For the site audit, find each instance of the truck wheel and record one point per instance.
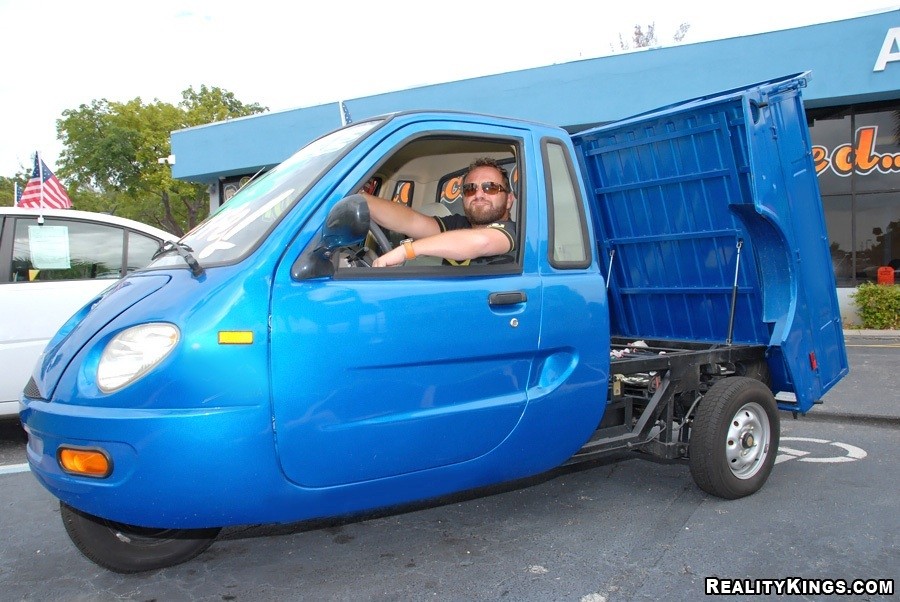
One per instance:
(734, 438)
(127, 549)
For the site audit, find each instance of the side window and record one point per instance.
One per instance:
(373, 186)
(569, 247)
(426, 174)
(63, 249)
(403, 192)
(140, 249)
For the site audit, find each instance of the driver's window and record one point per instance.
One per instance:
(426, 175)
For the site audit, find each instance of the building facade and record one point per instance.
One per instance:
(852, 105)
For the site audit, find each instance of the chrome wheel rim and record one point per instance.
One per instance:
(747, 440)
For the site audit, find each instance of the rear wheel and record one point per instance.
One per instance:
(734, 438)
(128, 549)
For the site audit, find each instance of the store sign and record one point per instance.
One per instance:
(860, 156)
(888, 54)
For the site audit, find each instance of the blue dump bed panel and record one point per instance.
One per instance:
(686, 198)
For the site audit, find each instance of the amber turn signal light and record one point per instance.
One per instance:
(235, 337)
(84, 462)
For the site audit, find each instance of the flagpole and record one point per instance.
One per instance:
(15, 192)
(37, 156)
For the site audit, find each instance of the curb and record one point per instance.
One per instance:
(872, 334)
(823, 415)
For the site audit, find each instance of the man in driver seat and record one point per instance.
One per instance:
(485, 234)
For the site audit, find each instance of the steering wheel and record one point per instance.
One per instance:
(362, 256)
(381, 240)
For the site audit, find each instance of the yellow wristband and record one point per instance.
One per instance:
(410, 252)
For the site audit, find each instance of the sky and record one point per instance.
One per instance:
(60, 54)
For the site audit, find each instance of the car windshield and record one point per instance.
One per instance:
(241, 223)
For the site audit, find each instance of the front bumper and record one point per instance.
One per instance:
(170, 468)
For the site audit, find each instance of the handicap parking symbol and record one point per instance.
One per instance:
(820, 451)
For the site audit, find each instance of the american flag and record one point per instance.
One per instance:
(43, 189)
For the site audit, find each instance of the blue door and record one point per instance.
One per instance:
(381, 377)
(394, 371)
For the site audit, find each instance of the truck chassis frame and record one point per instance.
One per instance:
(654, 388)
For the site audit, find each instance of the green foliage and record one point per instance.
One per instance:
(6, 192)
(878, 305)
(7, 187)
(110, 156)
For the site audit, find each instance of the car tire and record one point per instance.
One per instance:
(127, 549)
(734, 438)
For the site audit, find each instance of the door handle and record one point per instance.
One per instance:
(507, 298)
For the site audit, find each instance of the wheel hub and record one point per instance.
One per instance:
(747, 441)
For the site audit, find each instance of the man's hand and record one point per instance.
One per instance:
(391, 258)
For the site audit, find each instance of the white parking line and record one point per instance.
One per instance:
(14, 468)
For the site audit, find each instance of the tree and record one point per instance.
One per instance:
(681, 32)
(644, 40)
(647, 38)
(6, 191)
(110, 155)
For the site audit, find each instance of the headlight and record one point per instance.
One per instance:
(134, 352)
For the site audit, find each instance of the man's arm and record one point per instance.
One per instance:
(458, 245)
(400, 218)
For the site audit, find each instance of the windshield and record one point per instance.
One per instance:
(242, 222)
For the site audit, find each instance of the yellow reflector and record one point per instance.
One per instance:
(235, 337)
(88, 462)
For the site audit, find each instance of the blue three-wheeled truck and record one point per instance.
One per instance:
(671, 289)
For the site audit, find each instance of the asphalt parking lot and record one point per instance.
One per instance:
(627, 529)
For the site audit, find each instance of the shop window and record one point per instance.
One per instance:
(877, 234)
(857, 156)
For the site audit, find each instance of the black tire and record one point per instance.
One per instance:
(734, 438)
(127, 549)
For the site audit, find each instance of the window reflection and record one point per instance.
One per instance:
(857, 155)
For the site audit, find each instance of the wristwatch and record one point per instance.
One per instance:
(410, 252)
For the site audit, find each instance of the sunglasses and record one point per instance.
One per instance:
(488, 188)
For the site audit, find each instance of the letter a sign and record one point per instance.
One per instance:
(890, 50)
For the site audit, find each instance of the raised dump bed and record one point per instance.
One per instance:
(700, 209)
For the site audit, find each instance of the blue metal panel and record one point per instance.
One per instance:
(663, 190)
(678, 191)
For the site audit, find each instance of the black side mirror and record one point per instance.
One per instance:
(347, 224)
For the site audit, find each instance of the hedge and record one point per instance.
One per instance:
(878, 305)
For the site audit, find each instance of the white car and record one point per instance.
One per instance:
(52, 262)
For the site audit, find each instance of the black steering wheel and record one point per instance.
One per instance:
(381, 240)
(362, 256)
